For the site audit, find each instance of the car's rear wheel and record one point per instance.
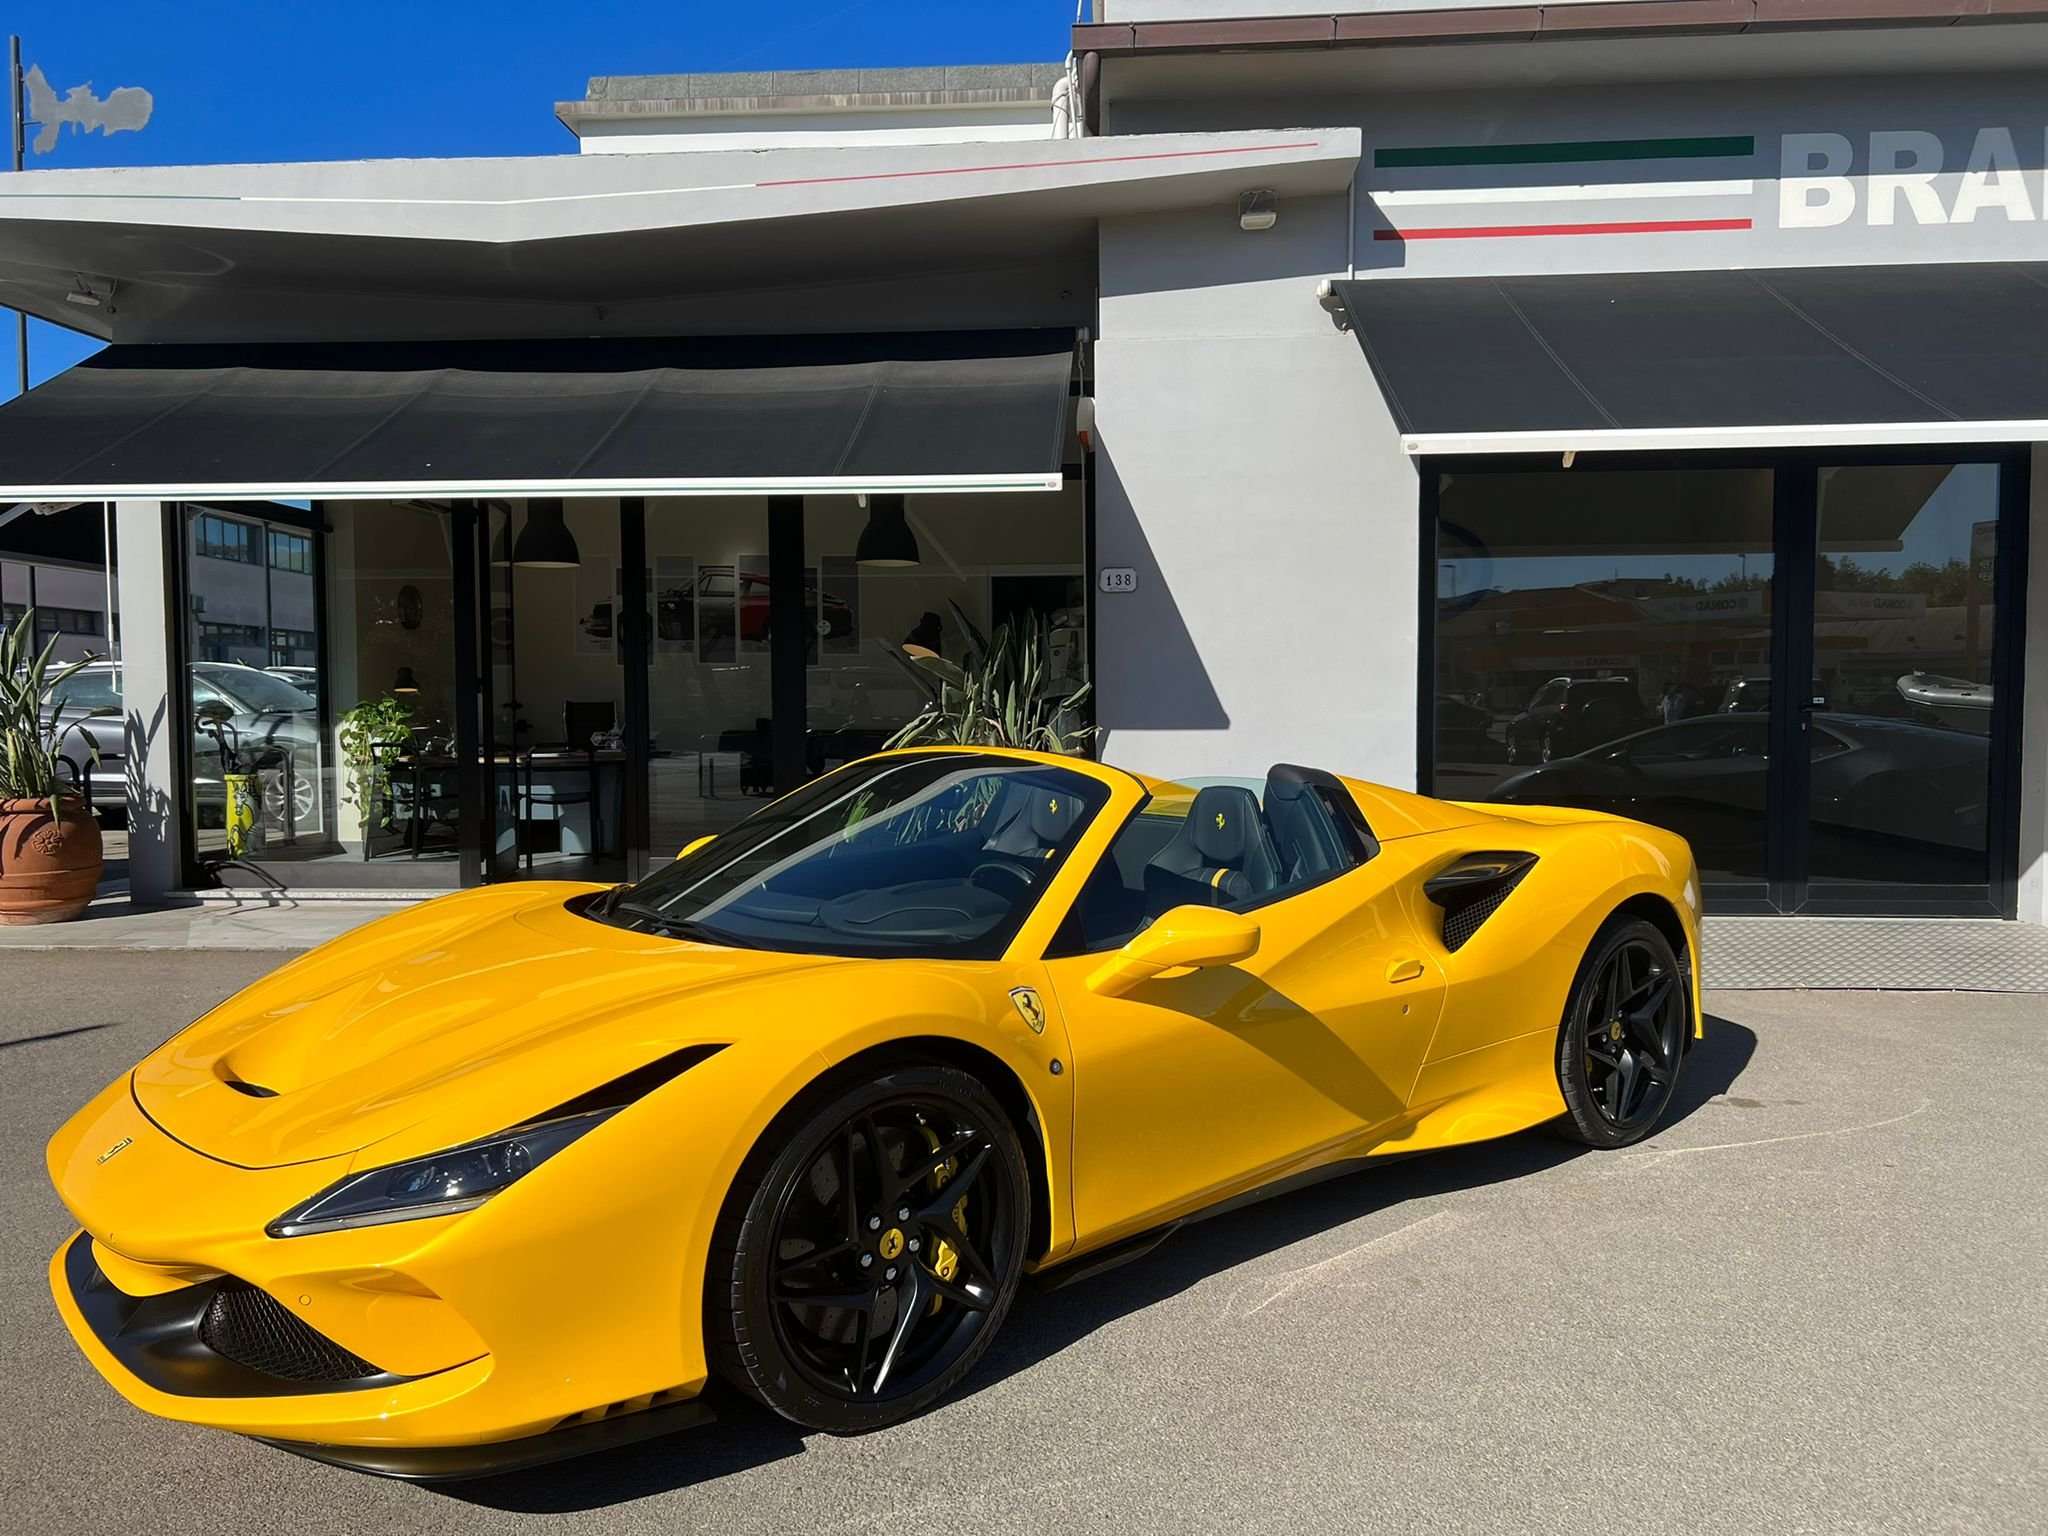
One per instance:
(1623, 1036)
(865, 1265)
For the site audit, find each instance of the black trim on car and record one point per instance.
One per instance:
(455, 1463)
(1470, 889)
(162, 1340)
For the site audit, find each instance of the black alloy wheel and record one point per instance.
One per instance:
(1624, 1033)
(878, 1254)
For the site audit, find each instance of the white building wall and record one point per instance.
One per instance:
(1249, 473)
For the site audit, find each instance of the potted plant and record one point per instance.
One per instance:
(50, 854)
(373, 723)
(1003, 694)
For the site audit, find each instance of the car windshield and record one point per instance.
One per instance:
(938, 855)
(256, 692)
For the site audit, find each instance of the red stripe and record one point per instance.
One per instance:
(1498, 231)
(1044, 165)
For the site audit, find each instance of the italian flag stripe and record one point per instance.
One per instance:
(1520, 231)
(1566, 152)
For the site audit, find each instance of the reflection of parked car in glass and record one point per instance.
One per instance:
(305, 679)
(1753, 694)
(276, 723)
(1569, 714)
(1878, 787)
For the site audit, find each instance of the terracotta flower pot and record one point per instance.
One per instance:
(49, 868)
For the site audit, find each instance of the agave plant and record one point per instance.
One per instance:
(1001, 695)
(29, 766)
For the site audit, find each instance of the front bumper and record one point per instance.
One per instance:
(167, 1354)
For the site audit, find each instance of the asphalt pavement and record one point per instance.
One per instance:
(1816, 1301)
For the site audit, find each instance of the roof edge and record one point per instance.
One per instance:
(1532, 23)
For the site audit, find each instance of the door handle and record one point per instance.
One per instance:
(1404, 970)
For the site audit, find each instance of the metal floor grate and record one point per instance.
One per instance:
(1910, 954)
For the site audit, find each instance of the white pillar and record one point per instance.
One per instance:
(2033, 786)
(150, 702)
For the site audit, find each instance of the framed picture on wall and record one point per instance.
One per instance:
(595, 612)
(675, 604)
(837, 618)
(716, 628)
(750, 592)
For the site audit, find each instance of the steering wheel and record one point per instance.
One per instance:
(1024, 874)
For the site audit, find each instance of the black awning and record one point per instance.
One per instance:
(1940, 353)
(981, 410)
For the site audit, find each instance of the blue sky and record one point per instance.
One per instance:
(286, 80)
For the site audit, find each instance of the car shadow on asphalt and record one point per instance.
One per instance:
(1043, 1324)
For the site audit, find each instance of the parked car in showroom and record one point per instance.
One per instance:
(275, 723)
(1880, 790)
(1569, 714)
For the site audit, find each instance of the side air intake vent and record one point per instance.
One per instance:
(1472, 889)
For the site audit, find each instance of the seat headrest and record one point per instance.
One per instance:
(1053, 815)
(1224, 823)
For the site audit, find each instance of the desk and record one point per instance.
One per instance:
(579, 795)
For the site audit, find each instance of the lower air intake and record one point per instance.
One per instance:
(251, 1328)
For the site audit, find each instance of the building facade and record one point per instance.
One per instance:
(1631, 405)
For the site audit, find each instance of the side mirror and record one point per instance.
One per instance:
(1183, 937)
(694, 844)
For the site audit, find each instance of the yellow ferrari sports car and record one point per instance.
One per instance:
(534, 1168)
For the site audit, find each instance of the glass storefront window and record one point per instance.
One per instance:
(1794, 666)
(556, 746)
(282, 791)
(1900, 749)
(1603, 640)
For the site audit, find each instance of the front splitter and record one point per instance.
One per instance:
(455, 1463)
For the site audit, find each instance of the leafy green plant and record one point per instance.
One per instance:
(29, 729)
(371, 724)
(1002, 694)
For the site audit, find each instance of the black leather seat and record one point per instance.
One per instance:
(1221, 854)
(1032, 822)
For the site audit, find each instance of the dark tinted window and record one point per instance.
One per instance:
(941, 855)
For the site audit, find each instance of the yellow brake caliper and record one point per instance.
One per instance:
(945, 1261)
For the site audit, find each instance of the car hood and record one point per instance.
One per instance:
(452, 1020)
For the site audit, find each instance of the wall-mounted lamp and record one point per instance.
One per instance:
(405, 682)
(887, 539)
(1258, 210)
(1332, 303)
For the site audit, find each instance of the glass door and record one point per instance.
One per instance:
(1902, 790)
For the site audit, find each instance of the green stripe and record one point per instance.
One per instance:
(1568, 151)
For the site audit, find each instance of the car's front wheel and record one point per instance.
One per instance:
(867, 1257)
(1623, 1036)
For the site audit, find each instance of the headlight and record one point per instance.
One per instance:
(443, 1184)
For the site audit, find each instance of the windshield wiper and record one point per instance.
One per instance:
(678, 927)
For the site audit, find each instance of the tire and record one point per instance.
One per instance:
(1623, 1037)
(907, 1306)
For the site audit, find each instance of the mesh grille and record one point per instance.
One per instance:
(251, 1328)
(1463, 923)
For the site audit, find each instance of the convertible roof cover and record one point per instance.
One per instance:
(981, 410)
(1943, 353)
